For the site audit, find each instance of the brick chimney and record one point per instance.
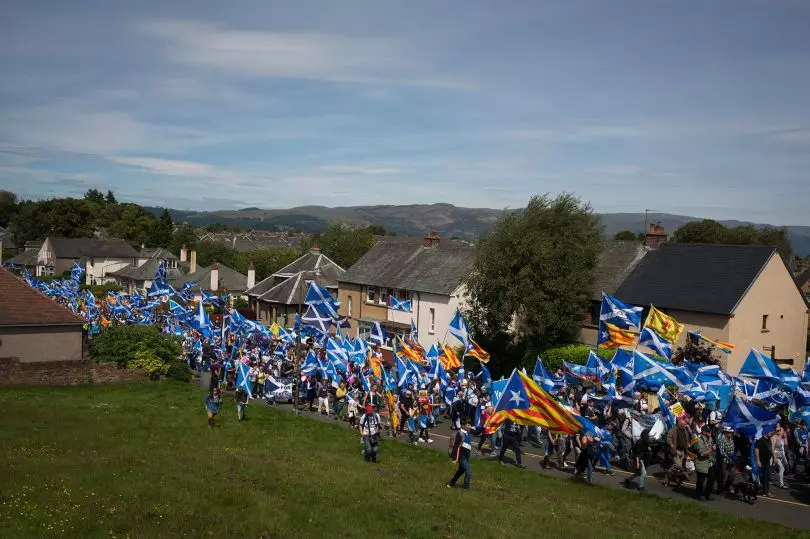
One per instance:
(251, 276)
(183, 253)
(214, 276)
(655, 236)
(193, 264)
(432, 239)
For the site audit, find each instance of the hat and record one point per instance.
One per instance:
(369, 408)
(728, 429)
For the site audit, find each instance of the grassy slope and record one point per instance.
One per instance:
(140, 461)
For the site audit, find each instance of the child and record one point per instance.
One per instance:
(424, 434)
(241, 399)
(212, 404)
(352, 406)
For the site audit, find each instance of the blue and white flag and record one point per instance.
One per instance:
(458, 329)
(243, 378)
(76, 272)
(770, 391)
(498, 387)
(597, 363)
(310, 364)
(652, 374)
(403, 373)
(653, 341)
(160, 273)
(317, 295)
(666, 412)
(400, 305)
(378, 334)
(544, 378)
(316, 319)
(414, 331)
(201, 321)
(619, 314)
(755, 421)
(758, 365)
(806, 371)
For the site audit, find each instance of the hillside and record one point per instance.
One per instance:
(416, 219)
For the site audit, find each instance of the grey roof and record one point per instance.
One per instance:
(25, 258)
(616, 260)
(310, 261)
(158, 253)
(229, 279)
(147, 270)
(412, 266)
(695, 277)
(249, 241)
(802, 278)
(90, 247)
(294, 289)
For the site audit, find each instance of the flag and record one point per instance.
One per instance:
(618, 314)
(666, 326)
(310, 364)
(448, 357)
(274, 330)
(758, 365)
(696, 337)
(160, 273)
(577, 375)
(486, 378)
(473, 349)
(378, 334)
(403, 373)
(651, 340)
(175, 307)
(771, 391)
(317, 295)
(400, 305)
(458, 329)
(76, 272)
(414, 331)
(243, 377)
(545, 378)
(652, 374)
(316, 319)
(666, 412)
(597, 364)
(611, 336)
(201, 321)
(755, 421)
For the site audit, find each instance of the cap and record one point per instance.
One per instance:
(728, 429)
(369, 409)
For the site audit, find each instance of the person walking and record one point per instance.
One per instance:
(460, 453)
(641, 451)
(704, 449)
(241, 398)
(724, 465)
(369, 428)
(511, 440)
(763, 455)
(779, 442)
(212, 404)
(323, 398)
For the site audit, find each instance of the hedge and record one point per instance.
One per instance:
(553, 358)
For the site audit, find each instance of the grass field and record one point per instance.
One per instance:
(140, 461)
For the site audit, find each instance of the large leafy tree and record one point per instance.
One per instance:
(345, 244)
(625, 235)
(534, 274)
(710, 231)
(8, 207)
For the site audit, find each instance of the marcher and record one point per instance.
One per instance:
(704, 449)
(511, 440)
(641, 451)
(460, 453)
(212, 404)
(369, 428)
(763, 453)
(780, 455)
(241, 398)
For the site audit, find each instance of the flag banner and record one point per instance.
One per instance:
(458, 329)
(400, 305)
(667, 327)
(611, 336)
(618, 314)
(696, 337)
(654, 342)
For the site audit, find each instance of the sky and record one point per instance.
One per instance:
(691, 107)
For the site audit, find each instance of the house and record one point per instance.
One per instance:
(244, 242)
(279, 296)
(33, 328)
(142, 273)
(28, 257)
(803, 282)
(217, 278)
(428, 272)
(99, 257)
(741, 294)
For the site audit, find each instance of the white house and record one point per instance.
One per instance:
(99, 257)
(427, 272)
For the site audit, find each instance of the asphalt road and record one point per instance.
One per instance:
(790, 507)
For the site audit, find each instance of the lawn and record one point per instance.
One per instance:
(140, 461)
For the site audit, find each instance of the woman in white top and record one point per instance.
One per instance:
(780, 455)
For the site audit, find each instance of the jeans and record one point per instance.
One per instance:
(765, 477)
(463, 469)
(512, 443)
(604, 458)
(781, 466)
(641, 473)
(534, 435)
(370, 448)
(497, 440)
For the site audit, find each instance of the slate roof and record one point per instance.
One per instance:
(90, 247)
(615, 262)
(293, 289)
(802, 278)
(328, 273)
(147, 270)
(22, 305)
(158, 253)
(229, 279)
(412, 266)
(25, 258)
(695, 277)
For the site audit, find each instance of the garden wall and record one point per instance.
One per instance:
(13, 372)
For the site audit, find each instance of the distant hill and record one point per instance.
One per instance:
(417, 219)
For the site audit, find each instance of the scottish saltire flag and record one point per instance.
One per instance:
(619, 314)
(317, 319)
(486, 378)
(414, 332)
(708, 375)
(158, 289)
(310, 364)
(76, 272)
(364, 381)
(201, 321)
(770, 391)
(654, 342)
(548, 381)
(285, 335)
(801, 397)
(400, 305)
(387, 381)
(432, 352)
(208, 297)
(188, 285)
(337, 355)
(175, 307)
(758, 365)
(666, 412)
(458, 329)
(317, 295)
(360, 352)
(577, 375)
(403, 373)
(652, 374)
(596, 363)
(378, 334)
(243, 378)
(755, 421)
(160, 273)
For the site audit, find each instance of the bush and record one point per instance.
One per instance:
(101, 290)
(553, 358)
(140, 347)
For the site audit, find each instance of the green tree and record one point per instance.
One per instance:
(110, 198)
(700, 352)
(710, 231)
(376, 230)
(344, 244)
(134, 224)
(163, 229)
(625, 235)
(184, 235)
(533, 276)
(94, 195)
(8, 207)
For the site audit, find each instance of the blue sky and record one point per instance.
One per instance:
(698, 108)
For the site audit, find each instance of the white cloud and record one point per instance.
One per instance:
(576, 133)
(304, 55)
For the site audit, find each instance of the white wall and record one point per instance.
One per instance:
(99, 270)
(445, 308)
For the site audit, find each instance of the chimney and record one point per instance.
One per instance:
(193, 264)
(183, 253)
(251, 276)
(655, 236)
(432, 239)
(214, 276)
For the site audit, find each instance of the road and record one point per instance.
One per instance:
(790, 507)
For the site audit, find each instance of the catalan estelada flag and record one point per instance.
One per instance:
(667, 327)
(406, 350)
(448, 357)
(474, 350)
(526, 403)
(724, 347)
(611, 336)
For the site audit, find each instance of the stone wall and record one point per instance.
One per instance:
(13, 372)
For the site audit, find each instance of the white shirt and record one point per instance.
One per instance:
(370, 424)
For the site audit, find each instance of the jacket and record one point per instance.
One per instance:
(705, 455)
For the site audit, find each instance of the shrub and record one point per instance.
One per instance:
(553, 358)
(150, 362)
(140, 347)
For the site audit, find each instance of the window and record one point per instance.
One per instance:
(432, 325)
(371, 294)
(349, 306)
(383, 296)
(403, 295)
(764, 322)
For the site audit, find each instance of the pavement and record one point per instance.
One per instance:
(790, 507)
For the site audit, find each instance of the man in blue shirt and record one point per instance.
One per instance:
(801, 440)
(460, 452)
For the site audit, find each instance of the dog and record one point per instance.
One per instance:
(675, 474)
(744, 486)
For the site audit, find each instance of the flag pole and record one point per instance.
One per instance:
(298, 355)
